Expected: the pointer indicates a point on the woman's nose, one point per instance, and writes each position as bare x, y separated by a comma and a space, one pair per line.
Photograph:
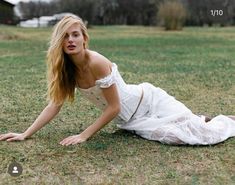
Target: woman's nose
70, 38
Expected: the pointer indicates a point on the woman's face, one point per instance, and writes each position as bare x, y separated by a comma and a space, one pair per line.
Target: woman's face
74, 40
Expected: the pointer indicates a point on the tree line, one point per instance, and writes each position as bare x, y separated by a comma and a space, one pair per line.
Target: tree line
133, 12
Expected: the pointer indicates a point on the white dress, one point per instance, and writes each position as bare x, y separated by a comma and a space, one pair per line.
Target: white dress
159, 116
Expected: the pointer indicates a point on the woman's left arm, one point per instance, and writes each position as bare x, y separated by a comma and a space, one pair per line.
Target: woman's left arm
111, 111
100, 70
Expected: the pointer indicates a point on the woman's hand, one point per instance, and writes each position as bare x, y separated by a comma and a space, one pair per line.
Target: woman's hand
12, 137
72, 140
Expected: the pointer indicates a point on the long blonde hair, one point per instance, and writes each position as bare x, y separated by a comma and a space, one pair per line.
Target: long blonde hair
61, 72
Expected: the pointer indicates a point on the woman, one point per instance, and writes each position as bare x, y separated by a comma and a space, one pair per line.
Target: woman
143, 109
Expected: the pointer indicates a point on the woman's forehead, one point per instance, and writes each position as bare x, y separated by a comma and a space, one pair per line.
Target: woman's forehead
74, 28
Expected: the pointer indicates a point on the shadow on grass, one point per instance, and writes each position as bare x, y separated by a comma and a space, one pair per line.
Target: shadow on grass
121, 139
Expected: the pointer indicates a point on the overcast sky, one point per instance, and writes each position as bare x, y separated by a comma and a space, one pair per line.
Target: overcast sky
17, 1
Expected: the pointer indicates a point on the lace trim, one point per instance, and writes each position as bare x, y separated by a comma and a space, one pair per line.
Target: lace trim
108, 80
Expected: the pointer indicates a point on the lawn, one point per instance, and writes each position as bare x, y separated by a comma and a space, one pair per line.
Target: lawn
196, 65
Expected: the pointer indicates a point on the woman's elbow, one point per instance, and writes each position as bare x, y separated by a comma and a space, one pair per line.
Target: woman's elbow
117, 109
114, 110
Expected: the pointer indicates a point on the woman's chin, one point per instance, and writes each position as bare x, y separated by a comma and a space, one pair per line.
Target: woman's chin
71, 52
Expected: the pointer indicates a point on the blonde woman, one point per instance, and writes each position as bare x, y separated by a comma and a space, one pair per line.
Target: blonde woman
143, 109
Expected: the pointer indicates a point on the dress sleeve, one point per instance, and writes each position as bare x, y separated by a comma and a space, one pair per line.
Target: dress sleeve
107, 81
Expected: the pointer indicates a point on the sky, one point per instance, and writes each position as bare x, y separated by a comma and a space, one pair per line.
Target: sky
17, 1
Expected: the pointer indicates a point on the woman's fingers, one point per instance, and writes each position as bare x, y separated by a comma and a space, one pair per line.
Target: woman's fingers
5, 136
11, 137
71, 140
66, 139
76, 142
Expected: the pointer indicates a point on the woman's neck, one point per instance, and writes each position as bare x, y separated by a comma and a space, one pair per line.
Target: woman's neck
80, 59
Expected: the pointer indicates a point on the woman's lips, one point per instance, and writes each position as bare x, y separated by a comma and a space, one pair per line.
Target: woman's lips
71, 47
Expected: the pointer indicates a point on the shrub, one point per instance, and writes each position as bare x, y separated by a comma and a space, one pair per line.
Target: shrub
172, 15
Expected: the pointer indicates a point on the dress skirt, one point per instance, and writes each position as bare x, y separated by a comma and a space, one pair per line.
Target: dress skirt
161, 117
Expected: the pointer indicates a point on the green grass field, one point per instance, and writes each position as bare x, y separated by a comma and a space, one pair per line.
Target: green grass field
196, 65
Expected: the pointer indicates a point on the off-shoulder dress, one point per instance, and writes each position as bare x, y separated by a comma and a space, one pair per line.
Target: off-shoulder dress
158, 116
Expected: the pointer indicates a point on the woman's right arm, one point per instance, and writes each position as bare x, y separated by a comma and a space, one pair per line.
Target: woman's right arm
49, 112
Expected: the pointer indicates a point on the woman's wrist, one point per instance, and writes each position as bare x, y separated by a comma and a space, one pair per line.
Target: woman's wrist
84, 136
24, 135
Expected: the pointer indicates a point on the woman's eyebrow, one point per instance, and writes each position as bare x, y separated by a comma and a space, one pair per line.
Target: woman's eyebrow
72, 32
75, 32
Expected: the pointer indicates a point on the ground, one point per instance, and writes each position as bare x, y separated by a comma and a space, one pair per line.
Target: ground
196, 65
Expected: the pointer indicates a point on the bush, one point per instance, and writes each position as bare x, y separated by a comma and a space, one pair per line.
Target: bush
172, 15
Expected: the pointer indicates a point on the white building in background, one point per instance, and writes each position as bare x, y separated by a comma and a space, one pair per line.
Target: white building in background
43, 21
31, 23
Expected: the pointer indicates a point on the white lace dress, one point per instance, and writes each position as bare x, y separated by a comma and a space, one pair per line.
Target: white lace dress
159, 116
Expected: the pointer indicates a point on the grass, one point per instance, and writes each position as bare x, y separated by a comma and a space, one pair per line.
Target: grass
195, 65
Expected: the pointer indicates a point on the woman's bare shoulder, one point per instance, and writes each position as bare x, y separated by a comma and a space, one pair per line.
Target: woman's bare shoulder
99, 65
98, 59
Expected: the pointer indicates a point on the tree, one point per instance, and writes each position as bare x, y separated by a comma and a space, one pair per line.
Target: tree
172, 15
